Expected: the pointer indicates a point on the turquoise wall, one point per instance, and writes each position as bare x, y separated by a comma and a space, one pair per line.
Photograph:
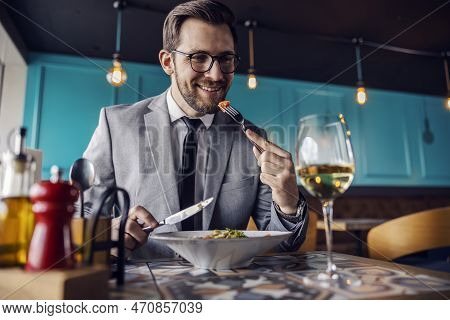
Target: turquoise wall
65, 93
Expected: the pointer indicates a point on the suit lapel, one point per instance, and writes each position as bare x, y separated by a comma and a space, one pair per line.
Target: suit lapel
220, 140
220, 137
157, 128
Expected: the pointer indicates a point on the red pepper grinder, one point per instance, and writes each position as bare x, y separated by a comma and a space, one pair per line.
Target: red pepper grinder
53, 205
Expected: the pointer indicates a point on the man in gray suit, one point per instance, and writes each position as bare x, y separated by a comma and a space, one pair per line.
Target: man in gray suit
146, 147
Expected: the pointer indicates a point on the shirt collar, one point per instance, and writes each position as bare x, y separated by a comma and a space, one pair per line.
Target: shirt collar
176, 113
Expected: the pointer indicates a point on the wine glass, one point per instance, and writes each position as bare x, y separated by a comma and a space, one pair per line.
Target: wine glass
326, 167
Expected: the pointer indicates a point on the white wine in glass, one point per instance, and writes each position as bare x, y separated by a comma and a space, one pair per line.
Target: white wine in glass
326, 166
326, 181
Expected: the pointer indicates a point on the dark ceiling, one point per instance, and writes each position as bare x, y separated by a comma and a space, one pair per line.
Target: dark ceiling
285, 42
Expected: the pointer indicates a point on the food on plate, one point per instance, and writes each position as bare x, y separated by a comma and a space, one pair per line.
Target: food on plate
225, 234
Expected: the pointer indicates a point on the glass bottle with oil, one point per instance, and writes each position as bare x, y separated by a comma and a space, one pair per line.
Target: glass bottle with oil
16, 216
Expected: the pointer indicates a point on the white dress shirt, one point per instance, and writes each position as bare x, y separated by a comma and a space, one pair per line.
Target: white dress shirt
178, 131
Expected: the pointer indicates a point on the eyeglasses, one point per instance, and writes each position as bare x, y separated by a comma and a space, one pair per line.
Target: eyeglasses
202, 62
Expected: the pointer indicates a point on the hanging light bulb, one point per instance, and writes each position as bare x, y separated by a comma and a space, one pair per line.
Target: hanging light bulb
361, 94
116, 75
448, 103
252, 83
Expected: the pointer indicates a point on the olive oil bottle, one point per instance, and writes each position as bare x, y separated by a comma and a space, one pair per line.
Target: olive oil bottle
16, 216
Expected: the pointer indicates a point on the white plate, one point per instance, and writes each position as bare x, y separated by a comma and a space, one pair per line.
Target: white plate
221, 253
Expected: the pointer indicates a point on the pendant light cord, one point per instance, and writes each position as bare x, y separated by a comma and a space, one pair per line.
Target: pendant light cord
250, 48
447, 75
118, 29
119, 5
358, 59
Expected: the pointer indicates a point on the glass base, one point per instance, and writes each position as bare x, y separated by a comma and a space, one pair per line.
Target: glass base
331, 280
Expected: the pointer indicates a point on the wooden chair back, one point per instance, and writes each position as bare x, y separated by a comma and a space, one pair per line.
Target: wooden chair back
311, 234
410, 234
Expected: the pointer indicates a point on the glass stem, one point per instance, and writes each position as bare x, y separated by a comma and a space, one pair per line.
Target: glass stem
327, 208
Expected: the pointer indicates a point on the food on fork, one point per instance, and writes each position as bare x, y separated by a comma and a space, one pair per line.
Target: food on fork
224, 104
237, 117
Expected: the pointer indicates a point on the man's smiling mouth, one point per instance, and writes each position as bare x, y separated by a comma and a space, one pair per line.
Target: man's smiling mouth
209, 89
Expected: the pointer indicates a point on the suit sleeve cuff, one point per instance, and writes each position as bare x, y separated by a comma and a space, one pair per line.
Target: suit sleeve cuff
292, 218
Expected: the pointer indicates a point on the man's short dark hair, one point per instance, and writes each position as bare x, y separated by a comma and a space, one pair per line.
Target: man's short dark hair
212, 12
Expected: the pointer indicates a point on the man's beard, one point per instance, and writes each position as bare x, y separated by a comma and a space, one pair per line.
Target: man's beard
196, 102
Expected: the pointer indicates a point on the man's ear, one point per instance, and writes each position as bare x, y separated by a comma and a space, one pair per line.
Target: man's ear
165, 58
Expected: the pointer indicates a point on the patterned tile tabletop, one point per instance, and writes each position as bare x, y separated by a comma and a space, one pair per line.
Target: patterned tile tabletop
275, 277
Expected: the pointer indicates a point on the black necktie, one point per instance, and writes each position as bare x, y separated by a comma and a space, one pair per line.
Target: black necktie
187, 185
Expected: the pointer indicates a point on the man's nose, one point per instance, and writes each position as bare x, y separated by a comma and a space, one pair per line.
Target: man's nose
215, 73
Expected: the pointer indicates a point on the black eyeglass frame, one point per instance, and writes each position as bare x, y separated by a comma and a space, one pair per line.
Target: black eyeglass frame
237, 59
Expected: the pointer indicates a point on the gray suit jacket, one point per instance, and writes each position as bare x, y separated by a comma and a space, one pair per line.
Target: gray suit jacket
131, 149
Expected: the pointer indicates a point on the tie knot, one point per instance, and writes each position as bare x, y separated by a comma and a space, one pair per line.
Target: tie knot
192, 124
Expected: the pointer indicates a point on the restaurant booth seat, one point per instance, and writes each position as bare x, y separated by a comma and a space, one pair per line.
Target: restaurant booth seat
415, 233
311, 235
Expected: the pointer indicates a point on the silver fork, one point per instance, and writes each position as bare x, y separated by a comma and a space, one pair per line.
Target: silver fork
238, 118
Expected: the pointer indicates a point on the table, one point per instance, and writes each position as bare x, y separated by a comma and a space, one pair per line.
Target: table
351, 224
354, 226
280, 276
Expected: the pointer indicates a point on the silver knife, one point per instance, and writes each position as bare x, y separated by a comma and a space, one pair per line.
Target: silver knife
182, 215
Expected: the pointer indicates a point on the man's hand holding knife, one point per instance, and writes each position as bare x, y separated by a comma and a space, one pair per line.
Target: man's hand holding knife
141, 223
